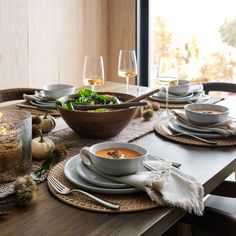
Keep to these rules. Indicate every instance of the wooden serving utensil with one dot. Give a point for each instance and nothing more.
(20, 105)
(111, 106)
(141, 97)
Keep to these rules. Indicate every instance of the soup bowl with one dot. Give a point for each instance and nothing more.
(54, 91)
(204, 114)
(114, 158)
(93, 124)
(181, 89)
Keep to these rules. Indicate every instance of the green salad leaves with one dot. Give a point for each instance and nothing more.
(88, 97)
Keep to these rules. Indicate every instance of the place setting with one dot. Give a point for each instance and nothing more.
(199, 124)
(179, 95)
(44, 100)
(126, 177)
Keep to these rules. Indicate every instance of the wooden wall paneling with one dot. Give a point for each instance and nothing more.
(71, 39)
(121, 26)
(96, 30)
(13, 44)
(43, 21)
(83, 31)
(44, 42)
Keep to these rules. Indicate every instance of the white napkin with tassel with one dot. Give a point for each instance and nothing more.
(168, 186)
(225, 128)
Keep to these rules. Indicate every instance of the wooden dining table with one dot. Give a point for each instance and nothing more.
(50, 216)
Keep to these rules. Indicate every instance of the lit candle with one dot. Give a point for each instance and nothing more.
(15, 144)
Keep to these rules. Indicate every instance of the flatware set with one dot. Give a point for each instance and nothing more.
(62, 189)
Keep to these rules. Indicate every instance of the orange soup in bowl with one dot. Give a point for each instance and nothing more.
(209, 111)
(118, 153)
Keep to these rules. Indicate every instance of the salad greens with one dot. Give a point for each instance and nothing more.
(88, 97)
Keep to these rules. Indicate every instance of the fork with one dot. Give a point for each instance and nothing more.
(62, 189)
(169, 132)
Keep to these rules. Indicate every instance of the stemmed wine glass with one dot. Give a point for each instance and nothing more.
(167, 76)
(127, 65)
(93, 73)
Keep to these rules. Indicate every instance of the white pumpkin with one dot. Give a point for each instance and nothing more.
(42, 147)
(47, 123)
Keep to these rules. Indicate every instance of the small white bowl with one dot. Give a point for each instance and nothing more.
(204, 114)
(114, 166)
(181, 89)
(55, 91)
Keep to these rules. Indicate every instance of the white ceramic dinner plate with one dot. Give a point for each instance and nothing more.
(191, 128)
(94, 178)
(162, 94)
(174, 126)
(43, 104)
(70, 171)
(194, 97)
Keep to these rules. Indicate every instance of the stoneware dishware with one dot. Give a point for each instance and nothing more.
(114, 166)
(92, 124)
(181, 89)
(204, 114)
(54, 91)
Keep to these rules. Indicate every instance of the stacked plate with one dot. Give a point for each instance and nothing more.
(181, 124)
(194, 93)
(40, 100)
(178, 126)
(81, 176)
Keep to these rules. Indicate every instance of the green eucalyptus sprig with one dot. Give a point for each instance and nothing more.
(58, 154)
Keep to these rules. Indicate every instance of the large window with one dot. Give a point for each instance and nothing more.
(201, 34)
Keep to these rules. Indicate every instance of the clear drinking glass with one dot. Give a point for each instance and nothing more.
(167, 76)
(93, 73)
(127, 65)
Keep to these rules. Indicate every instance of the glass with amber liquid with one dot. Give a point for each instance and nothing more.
(167, 76)
(127, 65)
(93, 74)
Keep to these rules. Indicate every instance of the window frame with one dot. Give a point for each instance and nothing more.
(142, 42)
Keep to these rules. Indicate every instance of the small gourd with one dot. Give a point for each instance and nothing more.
(147, 113)
(42, 147)
(155, 106)
(47, 124)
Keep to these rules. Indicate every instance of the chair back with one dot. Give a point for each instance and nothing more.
(219, 86)
(15, 93)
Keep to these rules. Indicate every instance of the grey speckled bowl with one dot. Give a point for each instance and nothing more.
(181, 89)
(54, 91)
(114, 166)
(205, 114)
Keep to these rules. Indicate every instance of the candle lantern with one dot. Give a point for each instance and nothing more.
(15, 144)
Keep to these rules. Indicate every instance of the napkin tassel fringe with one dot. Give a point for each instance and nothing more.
(189, 206)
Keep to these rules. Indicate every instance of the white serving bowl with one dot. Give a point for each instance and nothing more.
(204, 114)
(181, 89)
(114, 166)
(55, 91)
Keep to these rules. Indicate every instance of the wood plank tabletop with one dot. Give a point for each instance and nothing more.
(49, 216)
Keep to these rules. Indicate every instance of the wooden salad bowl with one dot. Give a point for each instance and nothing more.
(92, 124)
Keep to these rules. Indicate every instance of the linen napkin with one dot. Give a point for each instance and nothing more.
(195, 88)
(226, 128)
(168, 186)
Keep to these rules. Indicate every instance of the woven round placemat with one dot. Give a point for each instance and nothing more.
(221, 142)
(170, 105)
(52, 112)
(128, 202)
